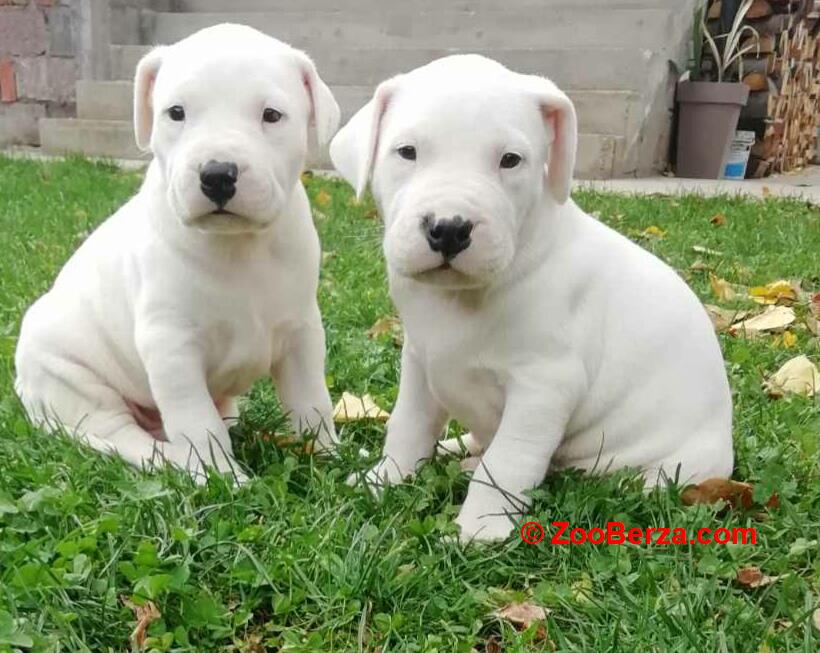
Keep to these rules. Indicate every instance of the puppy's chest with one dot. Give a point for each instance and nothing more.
(461, 375)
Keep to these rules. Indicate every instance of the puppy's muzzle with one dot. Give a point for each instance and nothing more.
(450, 236)
(217, 179)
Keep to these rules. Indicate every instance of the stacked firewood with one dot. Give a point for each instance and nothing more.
(784, 77)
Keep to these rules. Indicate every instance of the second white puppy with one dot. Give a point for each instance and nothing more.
(556, 341)
(204, 281)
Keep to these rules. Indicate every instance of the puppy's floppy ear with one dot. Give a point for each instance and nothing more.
(561, 124)
(325, 112)
(353, 150)
(146, 75)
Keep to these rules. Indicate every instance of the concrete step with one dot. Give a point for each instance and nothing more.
(597, 153)
(105, 100)
(103, 138)
(603, 112)
(403, 28)
(225, 6)
(616, 69)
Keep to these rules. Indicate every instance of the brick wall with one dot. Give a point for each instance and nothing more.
(38, 65)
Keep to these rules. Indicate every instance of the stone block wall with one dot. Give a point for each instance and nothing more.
(39, 50)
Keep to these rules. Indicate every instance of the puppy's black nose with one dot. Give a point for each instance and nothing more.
(217, 179)
(448, 236)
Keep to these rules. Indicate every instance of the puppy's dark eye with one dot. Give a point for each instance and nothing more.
(271, 115)
(176, 113)
(510, 160)
(407, 152)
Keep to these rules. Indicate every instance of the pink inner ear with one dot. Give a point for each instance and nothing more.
(309, 89)
(551, 121)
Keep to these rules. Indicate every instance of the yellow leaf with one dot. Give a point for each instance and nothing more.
(654, 231)
(797, 376)
(721, 288)
(774, 318)
(766, 192)
(787, 340)
(351, 408)
(322, 198)
(777, 292)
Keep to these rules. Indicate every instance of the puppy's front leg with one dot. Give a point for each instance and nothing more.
(192, 424)
(413, 428)
(532, 426)
(299, 377)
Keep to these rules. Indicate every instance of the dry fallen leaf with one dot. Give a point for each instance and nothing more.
(522, 615)
(388, 324)
(766, 192)
(815, 618)
(723, 318)
(776, 292)
(385, 324)
(814, 305)
(700, 249)
(754, 577)
(322, 198)
(735, 493)
(492, 645)
(699, 266)
(285, 441)
(813, 325)
(718, 219)
(145, 615)
(722, 289)
(774, 318)
(797, 376)
(351, 408)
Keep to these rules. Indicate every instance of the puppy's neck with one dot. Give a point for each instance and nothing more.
(543, 231)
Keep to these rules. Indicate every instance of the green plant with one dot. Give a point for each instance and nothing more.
(732, 52)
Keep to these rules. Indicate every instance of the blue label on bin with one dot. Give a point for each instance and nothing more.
(734, 170)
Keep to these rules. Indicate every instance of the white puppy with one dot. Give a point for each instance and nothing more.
(556, 341)
(206, 280)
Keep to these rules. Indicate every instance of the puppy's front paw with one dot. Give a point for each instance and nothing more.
(483, 528)
(386, 472)
(195, 463)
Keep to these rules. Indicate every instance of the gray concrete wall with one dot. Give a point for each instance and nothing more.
(39, 45)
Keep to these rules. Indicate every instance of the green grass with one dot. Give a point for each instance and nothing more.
(297, 561)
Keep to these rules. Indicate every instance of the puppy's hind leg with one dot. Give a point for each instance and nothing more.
(63, 395)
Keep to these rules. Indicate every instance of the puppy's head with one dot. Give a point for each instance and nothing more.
(458, 152)
(228, 113)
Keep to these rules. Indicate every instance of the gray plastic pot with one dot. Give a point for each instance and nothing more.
(707, 120)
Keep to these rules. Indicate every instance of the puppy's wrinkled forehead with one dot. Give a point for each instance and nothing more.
(463, 95)
(227, 62)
